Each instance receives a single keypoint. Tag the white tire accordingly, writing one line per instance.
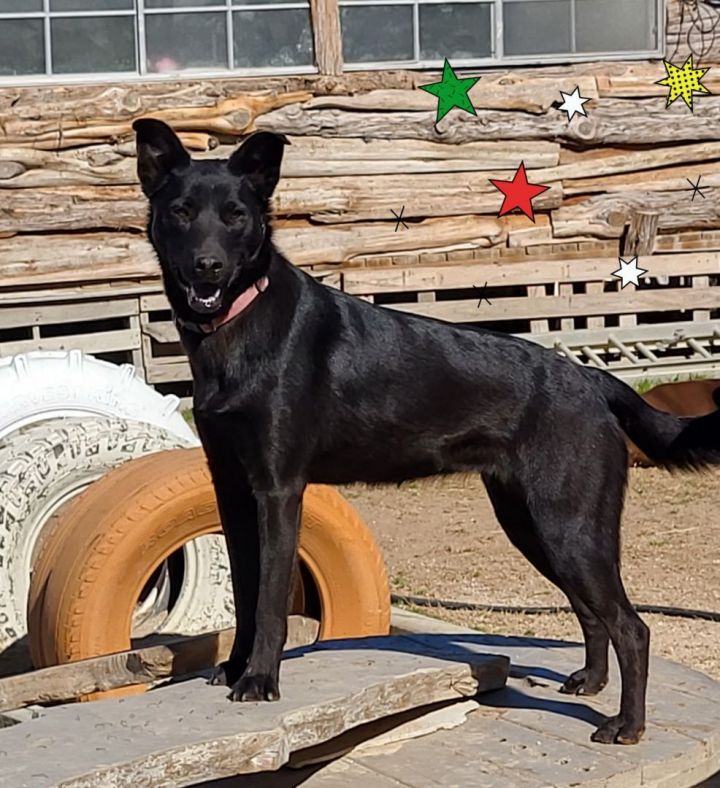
(42, 467)
(47, 384)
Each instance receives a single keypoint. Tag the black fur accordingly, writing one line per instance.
(312, 385)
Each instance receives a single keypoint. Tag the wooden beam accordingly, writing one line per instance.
(605, 215)
(325, 20)
(666, 299)
(174, 657)
(535, 271)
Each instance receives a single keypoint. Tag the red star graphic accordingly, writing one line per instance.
(518, 193)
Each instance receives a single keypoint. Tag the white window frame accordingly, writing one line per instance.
(497, 56)
(496, 59)
(139, 13)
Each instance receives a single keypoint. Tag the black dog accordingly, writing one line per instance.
(296, 383)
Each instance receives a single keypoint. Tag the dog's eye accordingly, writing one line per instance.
(235, 215)
(181, 212)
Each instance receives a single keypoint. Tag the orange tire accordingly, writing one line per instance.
(106, 543)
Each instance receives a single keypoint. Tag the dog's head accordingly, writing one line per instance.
(207, 218)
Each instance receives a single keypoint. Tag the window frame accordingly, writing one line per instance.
(498, 59)
(331, 27)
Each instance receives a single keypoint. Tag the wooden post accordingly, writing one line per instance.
(639, 240)
(640, 236)
(325, 18)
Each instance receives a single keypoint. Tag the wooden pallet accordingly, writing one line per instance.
(570, 302)
(104, 327)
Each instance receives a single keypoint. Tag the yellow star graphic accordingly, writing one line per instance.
(683, 81)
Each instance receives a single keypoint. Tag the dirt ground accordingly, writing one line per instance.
(440, 539)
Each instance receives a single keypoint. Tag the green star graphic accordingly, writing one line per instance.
(451, 92)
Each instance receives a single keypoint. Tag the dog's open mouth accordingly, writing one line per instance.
(204, 298)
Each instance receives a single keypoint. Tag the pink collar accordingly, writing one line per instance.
(239, 305)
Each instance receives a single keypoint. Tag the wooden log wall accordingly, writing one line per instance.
(365, 145)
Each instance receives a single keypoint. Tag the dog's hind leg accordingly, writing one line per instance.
(575, 506)
(513, 515)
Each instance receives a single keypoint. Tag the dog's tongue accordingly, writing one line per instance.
(207, 300)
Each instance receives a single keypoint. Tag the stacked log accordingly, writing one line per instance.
(364, 146)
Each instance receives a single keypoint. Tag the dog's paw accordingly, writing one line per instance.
(255, 686)
(616, 731)
(583, 682)
(227, 673)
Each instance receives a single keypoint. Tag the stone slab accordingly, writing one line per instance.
(188, 732)
(528, 734)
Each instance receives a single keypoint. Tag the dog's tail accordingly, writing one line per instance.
(716, 396)
(671, 441)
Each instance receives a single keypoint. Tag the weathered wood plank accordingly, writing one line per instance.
(48, 259)
(170, 657)
(639, 80)
(161, 331)
(154, 302)
(328, 200)
(72, 208)
(325, 18)
(122, 101)
(701, 315)
(656, 334)
(303, 243)
(507, 92)
(88, 292)
(359, 281)
(562, 306)
(612, 122)
(640, 238)
(118, 106)
(162, 744)
(306, 157)
(670, 179)
(44, 314)
(96, 342)
(605, 215)
(167, 373)
(102, 256)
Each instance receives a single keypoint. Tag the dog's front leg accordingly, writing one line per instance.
(278, 518)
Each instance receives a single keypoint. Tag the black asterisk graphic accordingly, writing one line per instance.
(483, 297)
(696, 187)
(399, 219)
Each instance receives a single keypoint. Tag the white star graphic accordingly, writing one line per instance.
(573, 104)
(629, 271)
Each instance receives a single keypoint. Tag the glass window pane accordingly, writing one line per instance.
(455, 30)
(91, 5)
(21, 47)
(377, 33)
(533, 28)
(615, 25)
(28, 6)
(178, 41)
(289, 31)
(181, 3)
(88, 45)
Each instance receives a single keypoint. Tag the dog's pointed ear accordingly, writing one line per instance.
(158, 152)
(258, 159)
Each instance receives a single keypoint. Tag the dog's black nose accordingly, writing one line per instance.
(208, 265)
